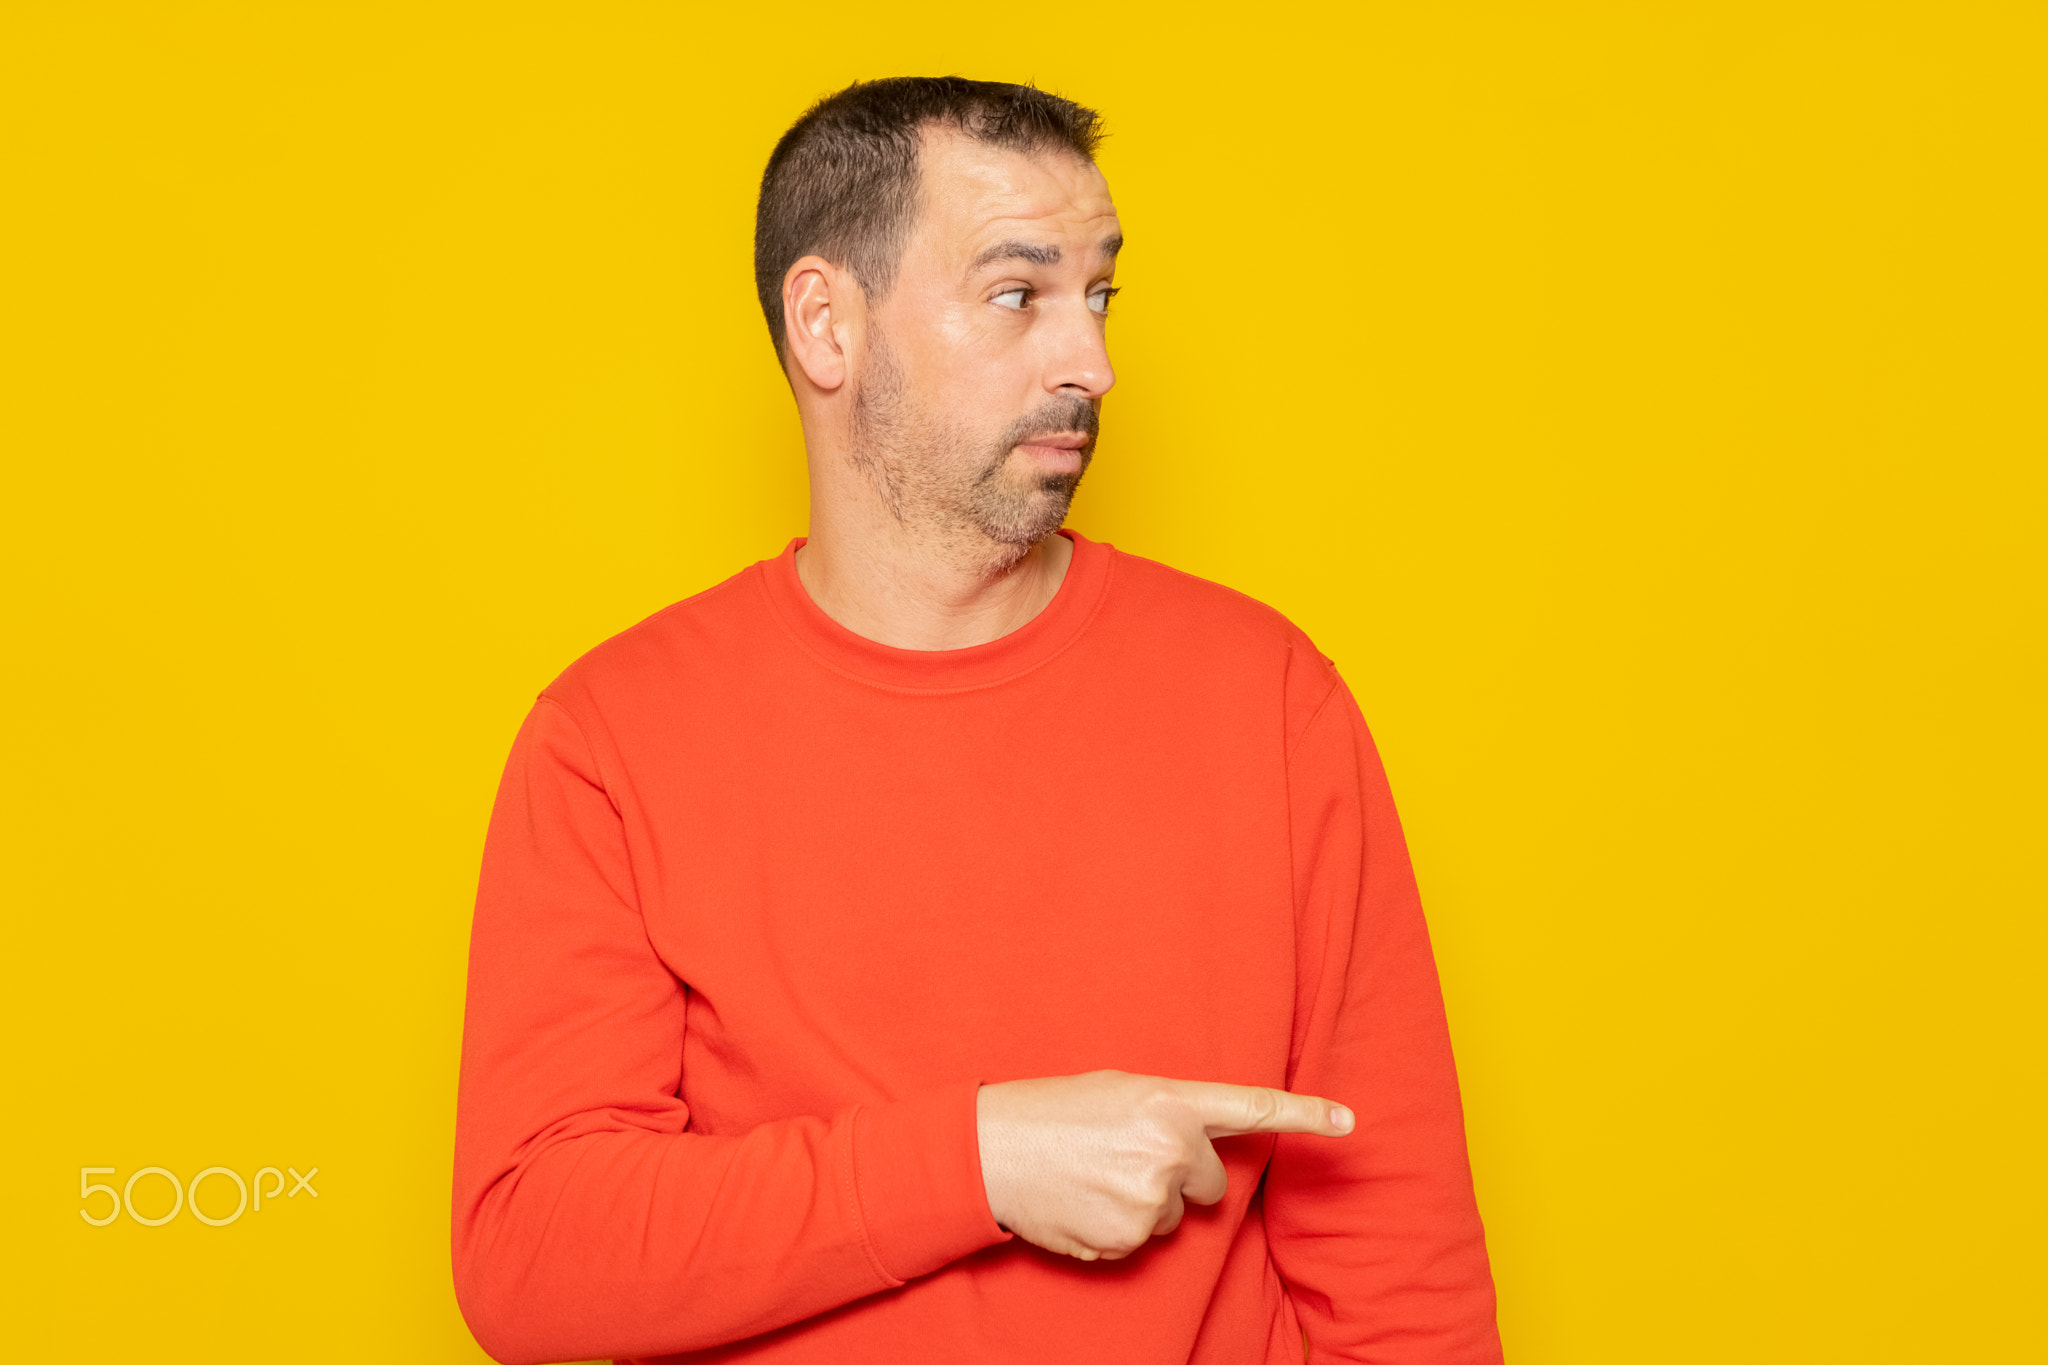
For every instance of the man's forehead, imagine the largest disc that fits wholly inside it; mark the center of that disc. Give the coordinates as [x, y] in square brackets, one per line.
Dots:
[976, 195]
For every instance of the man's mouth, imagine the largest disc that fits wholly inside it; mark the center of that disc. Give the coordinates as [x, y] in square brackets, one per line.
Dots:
[1061, 452]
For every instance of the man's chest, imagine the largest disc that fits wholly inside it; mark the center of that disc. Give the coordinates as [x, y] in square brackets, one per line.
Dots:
[864, 896]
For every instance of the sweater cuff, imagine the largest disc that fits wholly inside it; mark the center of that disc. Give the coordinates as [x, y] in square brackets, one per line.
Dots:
[917, 1175]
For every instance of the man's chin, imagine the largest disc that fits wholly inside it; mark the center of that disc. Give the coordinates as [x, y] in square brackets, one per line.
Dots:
[1021, 523]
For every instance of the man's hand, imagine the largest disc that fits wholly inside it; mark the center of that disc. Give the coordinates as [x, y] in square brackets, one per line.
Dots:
[1091, 1166]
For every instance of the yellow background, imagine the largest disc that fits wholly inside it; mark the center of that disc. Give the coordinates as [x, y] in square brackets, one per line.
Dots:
[1642, 404]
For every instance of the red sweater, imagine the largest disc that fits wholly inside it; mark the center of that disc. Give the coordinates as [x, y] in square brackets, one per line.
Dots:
[763, 902]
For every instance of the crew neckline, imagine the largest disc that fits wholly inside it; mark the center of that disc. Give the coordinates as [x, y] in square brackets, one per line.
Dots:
[1035, 643]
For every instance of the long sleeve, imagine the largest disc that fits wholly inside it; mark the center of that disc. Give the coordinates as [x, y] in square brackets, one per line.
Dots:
[1376, 1236]
[587, 1220]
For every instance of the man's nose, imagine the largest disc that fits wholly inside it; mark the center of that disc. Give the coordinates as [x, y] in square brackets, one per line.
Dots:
[1077, 358]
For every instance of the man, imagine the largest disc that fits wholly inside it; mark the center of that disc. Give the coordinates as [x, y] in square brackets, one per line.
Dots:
[954, 940]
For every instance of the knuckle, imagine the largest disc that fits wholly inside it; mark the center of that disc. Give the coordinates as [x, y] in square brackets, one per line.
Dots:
[1154, 1097]
[1130, 1235]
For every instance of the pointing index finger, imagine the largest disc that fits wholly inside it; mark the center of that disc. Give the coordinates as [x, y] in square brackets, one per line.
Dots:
[1232, 1110]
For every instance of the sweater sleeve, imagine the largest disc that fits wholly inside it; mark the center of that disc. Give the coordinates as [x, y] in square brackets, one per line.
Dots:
[1376, 1236]
[588, 1221]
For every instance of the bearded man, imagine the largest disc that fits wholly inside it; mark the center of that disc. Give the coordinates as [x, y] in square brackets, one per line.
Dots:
[954, 939]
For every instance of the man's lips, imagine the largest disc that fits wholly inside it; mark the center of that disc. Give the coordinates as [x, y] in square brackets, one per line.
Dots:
[1060, 452]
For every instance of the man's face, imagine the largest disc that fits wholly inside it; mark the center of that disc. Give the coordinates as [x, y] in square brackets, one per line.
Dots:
[975, 406]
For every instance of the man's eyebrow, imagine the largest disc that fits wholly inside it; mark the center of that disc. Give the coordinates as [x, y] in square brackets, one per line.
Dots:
[1013, 250]
[1016, 251]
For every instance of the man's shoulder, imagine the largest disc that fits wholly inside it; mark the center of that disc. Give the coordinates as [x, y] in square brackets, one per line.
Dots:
[1176, 600]
[1207, 626]
[725, 637]
[650, 657]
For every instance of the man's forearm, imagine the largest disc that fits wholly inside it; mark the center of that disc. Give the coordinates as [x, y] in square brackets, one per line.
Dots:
[607, 1239]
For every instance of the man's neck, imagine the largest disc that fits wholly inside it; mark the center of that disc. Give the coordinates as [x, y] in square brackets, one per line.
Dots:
[918, 593]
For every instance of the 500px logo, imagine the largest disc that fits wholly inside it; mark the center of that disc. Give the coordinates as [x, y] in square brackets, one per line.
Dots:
[124, 1198]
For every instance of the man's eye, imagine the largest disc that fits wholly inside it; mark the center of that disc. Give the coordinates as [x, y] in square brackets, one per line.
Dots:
[1012, 298]
[1099, 300]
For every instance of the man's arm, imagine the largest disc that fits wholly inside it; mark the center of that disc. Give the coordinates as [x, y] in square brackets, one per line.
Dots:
[587, 1221]
[1377, 1237]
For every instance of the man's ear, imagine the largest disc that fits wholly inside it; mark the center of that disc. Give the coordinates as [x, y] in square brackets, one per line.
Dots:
[822, 308]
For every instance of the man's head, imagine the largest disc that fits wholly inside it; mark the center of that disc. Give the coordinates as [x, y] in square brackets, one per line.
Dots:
[934, 259]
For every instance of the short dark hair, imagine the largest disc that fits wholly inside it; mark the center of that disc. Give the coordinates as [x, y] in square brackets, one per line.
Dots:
[842, 183]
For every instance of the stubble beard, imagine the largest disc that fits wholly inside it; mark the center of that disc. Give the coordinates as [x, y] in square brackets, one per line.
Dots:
[910, 458]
